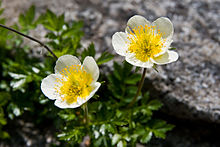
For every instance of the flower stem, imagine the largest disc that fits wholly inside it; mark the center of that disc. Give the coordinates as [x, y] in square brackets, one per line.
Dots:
[86, 117]
[140, 85]
[31, 38]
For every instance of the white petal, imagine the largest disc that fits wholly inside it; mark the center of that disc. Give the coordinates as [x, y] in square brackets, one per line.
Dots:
[120, 43]
[134, 61]
[165, 26]
[168, 57]
[91, 67]
[48, 85]
[136, 21]
[62, 104]
[64, 61]
[96, 86]
[165, 48]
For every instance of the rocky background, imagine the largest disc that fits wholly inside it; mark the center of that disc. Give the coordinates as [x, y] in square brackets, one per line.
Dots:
[189, 88]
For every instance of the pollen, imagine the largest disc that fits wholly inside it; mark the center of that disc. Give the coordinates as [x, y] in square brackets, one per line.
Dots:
[74, 84]
[145, 42]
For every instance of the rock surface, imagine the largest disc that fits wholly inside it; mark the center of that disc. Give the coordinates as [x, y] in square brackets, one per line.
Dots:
[190, 87]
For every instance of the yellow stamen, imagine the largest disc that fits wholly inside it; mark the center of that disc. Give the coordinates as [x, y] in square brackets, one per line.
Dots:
[145, 42]
[75, 83]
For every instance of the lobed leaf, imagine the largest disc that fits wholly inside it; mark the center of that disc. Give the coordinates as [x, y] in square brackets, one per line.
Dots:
[105, 57]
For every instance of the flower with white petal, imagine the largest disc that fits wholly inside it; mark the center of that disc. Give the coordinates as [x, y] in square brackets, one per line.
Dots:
[72, 84]
[144, 43]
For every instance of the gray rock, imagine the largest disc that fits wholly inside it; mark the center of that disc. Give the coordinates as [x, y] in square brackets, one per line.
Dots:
[190, 87]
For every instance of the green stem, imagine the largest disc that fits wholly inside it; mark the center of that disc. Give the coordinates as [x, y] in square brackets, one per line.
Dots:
[140, 85]
[31, 38]
[86, 114]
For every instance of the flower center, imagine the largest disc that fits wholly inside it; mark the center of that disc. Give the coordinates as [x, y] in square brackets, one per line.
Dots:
[145, 42]
[75, 83]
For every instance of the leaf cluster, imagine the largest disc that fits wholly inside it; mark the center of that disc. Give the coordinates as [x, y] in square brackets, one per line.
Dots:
[112, 122]
[22, 72]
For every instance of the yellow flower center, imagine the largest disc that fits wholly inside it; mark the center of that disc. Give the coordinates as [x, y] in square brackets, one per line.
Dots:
[145, 43]
[75, 83]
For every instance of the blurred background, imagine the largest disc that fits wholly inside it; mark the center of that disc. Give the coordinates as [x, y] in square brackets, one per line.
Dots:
[189, 88]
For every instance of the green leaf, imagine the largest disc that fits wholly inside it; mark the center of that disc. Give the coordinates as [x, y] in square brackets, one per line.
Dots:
[106, 127]
[3, 121]
[130, 93]
[4, 98]
[14, 110]
[117, 71]
[4, 135]
[60, 22]
[146, 97]
[120, 123]
[146, 111]
[133, 79]
[90, 51]
[98, 142]
[118, 113]
[116, 138]
[30, 14]
[51, 21]
[51, 35]
[105, 57]
[67, 117]
[1, 11]
[2, 21]
[154, 105]
[137, 69]
[26, 20]
[18, 84]
[75, 135]
[127, 68]
[160, 127]
[146, 137]
[73, 31]
[122, 143]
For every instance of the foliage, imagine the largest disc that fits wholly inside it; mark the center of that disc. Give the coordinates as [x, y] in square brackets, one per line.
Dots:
[111, 121]
[4, 96]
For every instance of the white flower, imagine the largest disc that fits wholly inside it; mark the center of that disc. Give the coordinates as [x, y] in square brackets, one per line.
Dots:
[144, 44]
[72, 84]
